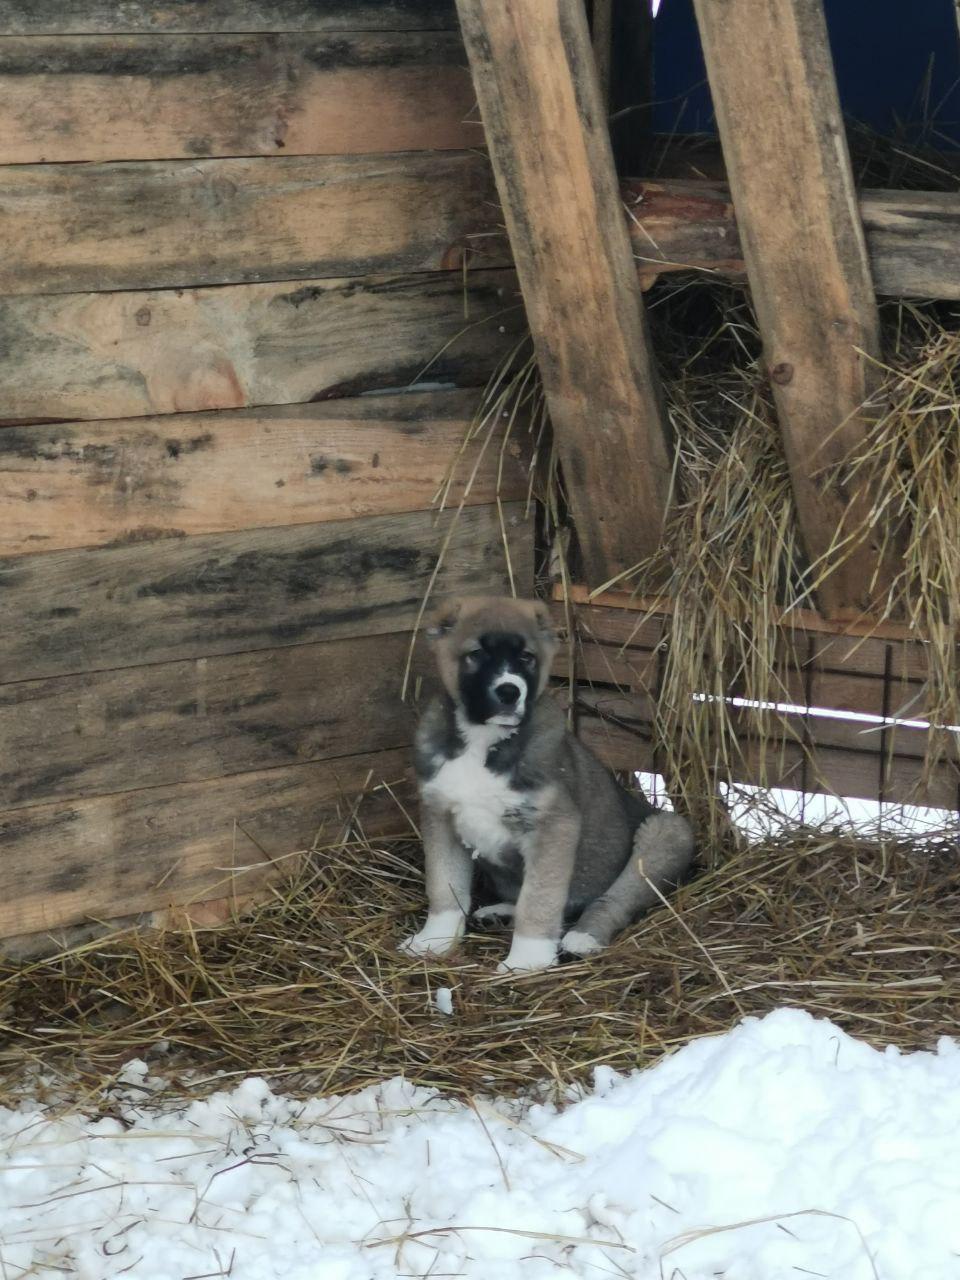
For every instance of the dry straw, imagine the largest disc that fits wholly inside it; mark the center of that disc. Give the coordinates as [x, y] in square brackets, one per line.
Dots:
[310, 990]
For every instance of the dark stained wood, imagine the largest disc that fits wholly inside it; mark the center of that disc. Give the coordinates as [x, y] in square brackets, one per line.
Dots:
[93, 484]
[143, 850]
[157, 224]
[118, 355]
[69, 98]
[180, 598]
[914, 242]
[546, 130]
[40, 17]
[87, 735]
[778, 115]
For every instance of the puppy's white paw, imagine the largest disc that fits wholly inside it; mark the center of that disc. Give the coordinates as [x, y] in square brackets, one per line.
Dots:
[529, 954]
[439, 935]
[577, 943]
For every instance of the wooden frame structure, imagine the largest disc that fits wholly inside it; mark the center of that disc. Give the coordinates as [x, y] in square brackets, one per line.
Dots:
[815, 254]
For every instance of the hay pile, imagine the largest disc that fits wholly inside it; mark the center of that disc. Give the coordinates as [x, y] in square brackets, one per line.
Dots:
[310, 991]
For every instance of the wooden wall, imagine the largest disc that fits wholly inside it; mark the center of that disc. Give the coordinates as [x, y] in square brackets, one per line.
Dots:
[223, 222]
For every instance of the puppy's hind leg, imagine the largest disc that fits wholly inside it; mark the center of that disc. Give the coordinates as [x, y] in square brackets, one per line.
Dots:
[661, 856]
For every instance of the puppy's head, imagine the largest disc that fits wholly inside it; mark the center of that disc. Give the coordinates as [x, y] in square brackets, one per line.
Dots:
[494, 656]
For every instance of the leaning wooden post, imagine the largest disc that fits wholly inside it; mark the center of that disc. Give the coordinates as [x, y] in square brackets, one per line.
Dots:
[775, 96]
[536, 84]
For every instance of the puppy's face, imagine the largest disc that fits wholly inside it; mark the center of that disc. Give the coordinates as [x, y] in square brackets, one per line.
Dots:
[494, 657]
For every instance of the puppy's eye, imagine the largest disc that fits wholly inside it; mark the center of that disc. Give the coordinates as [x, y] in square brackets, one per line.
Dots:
[528, 657]
[472, 658]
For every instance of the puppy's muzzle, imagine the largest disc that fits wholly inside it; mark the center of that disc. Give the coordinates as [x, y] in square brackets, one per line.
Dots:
[510, 697]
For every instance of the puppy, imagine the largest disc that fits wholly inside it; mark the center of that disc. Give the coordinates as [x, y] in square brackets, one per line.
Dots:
[507, 791]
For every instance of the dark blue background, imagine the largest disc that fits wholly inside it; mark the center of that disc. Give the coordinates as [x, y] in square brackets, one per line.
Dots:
[881, 51]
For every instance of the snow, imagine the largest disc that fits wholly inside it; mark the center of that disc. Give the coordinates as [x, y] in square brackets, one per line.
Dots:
[443, 999]
[781, 1149]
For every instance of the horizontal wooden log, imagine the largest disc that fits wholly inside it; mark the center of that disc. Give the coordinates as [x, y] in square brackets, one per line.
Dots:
[913, 237]
[93, 484]
[73, 737]
[119, 355]
[41, 17]
[180, 598]
[158, 224]
[143, 850]
[123, 97]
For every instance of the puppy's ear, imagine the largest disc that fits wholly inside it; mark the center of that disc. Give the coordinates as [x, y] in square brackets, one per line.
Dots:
[444, 620]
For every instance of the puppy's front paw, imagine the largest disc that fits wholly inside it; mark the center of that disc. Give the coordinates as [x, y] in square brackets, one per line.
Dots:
[528, 954]
[439, 935]
[577, 943]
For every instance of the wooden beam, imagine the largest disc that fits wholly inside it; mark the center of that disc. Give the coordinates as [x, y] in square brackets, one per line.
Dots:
[536, 83]
[123, 355]
[172, 223]
[778, 114]
[79, 17]
[73, 737]
[143, 850]
[178, 598]
[913, 237]
[134, 97]
[100, 483]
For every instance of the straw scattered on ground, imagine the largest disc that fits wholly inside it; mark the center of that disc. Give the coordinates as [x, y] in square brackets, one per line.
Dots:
[310, 991]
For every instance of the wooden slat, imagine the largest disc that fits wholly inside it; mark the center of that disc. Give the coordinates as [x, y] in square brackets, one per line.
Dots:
[143, 850]
[914, 242]
[68, 98]
[118, 355]
[157, 224]
[91, 484]
[535, 79]
[181, 598]
[73, 737]
[620, 727]
[773, 88]
[39, 17]
[800, 620]
[913, 237]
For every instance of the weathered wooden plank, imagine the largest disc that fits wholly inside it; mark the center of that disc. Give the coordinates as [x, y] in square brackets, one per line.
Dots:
[913, 237]
[92, 484]
[73, 737]
[69, 98]
[609, 664]
[138, 225]
[119, 355]
[837, 761]
[143, 850]
[778, 115]
[181, 598]
[40, 17]
[535, 79]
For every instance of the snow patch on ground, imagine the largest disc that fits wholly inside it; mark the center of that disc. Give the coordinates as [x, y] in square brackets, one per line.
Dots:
[662, 1173]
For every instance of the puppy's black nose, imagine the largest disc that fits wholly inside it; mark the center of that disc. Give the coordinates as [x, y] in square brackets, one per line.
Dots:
[508, 694]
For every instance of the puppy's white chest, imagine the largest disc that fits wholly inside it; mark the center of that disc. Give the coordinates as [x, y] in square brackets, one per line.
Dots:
[478, 801]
